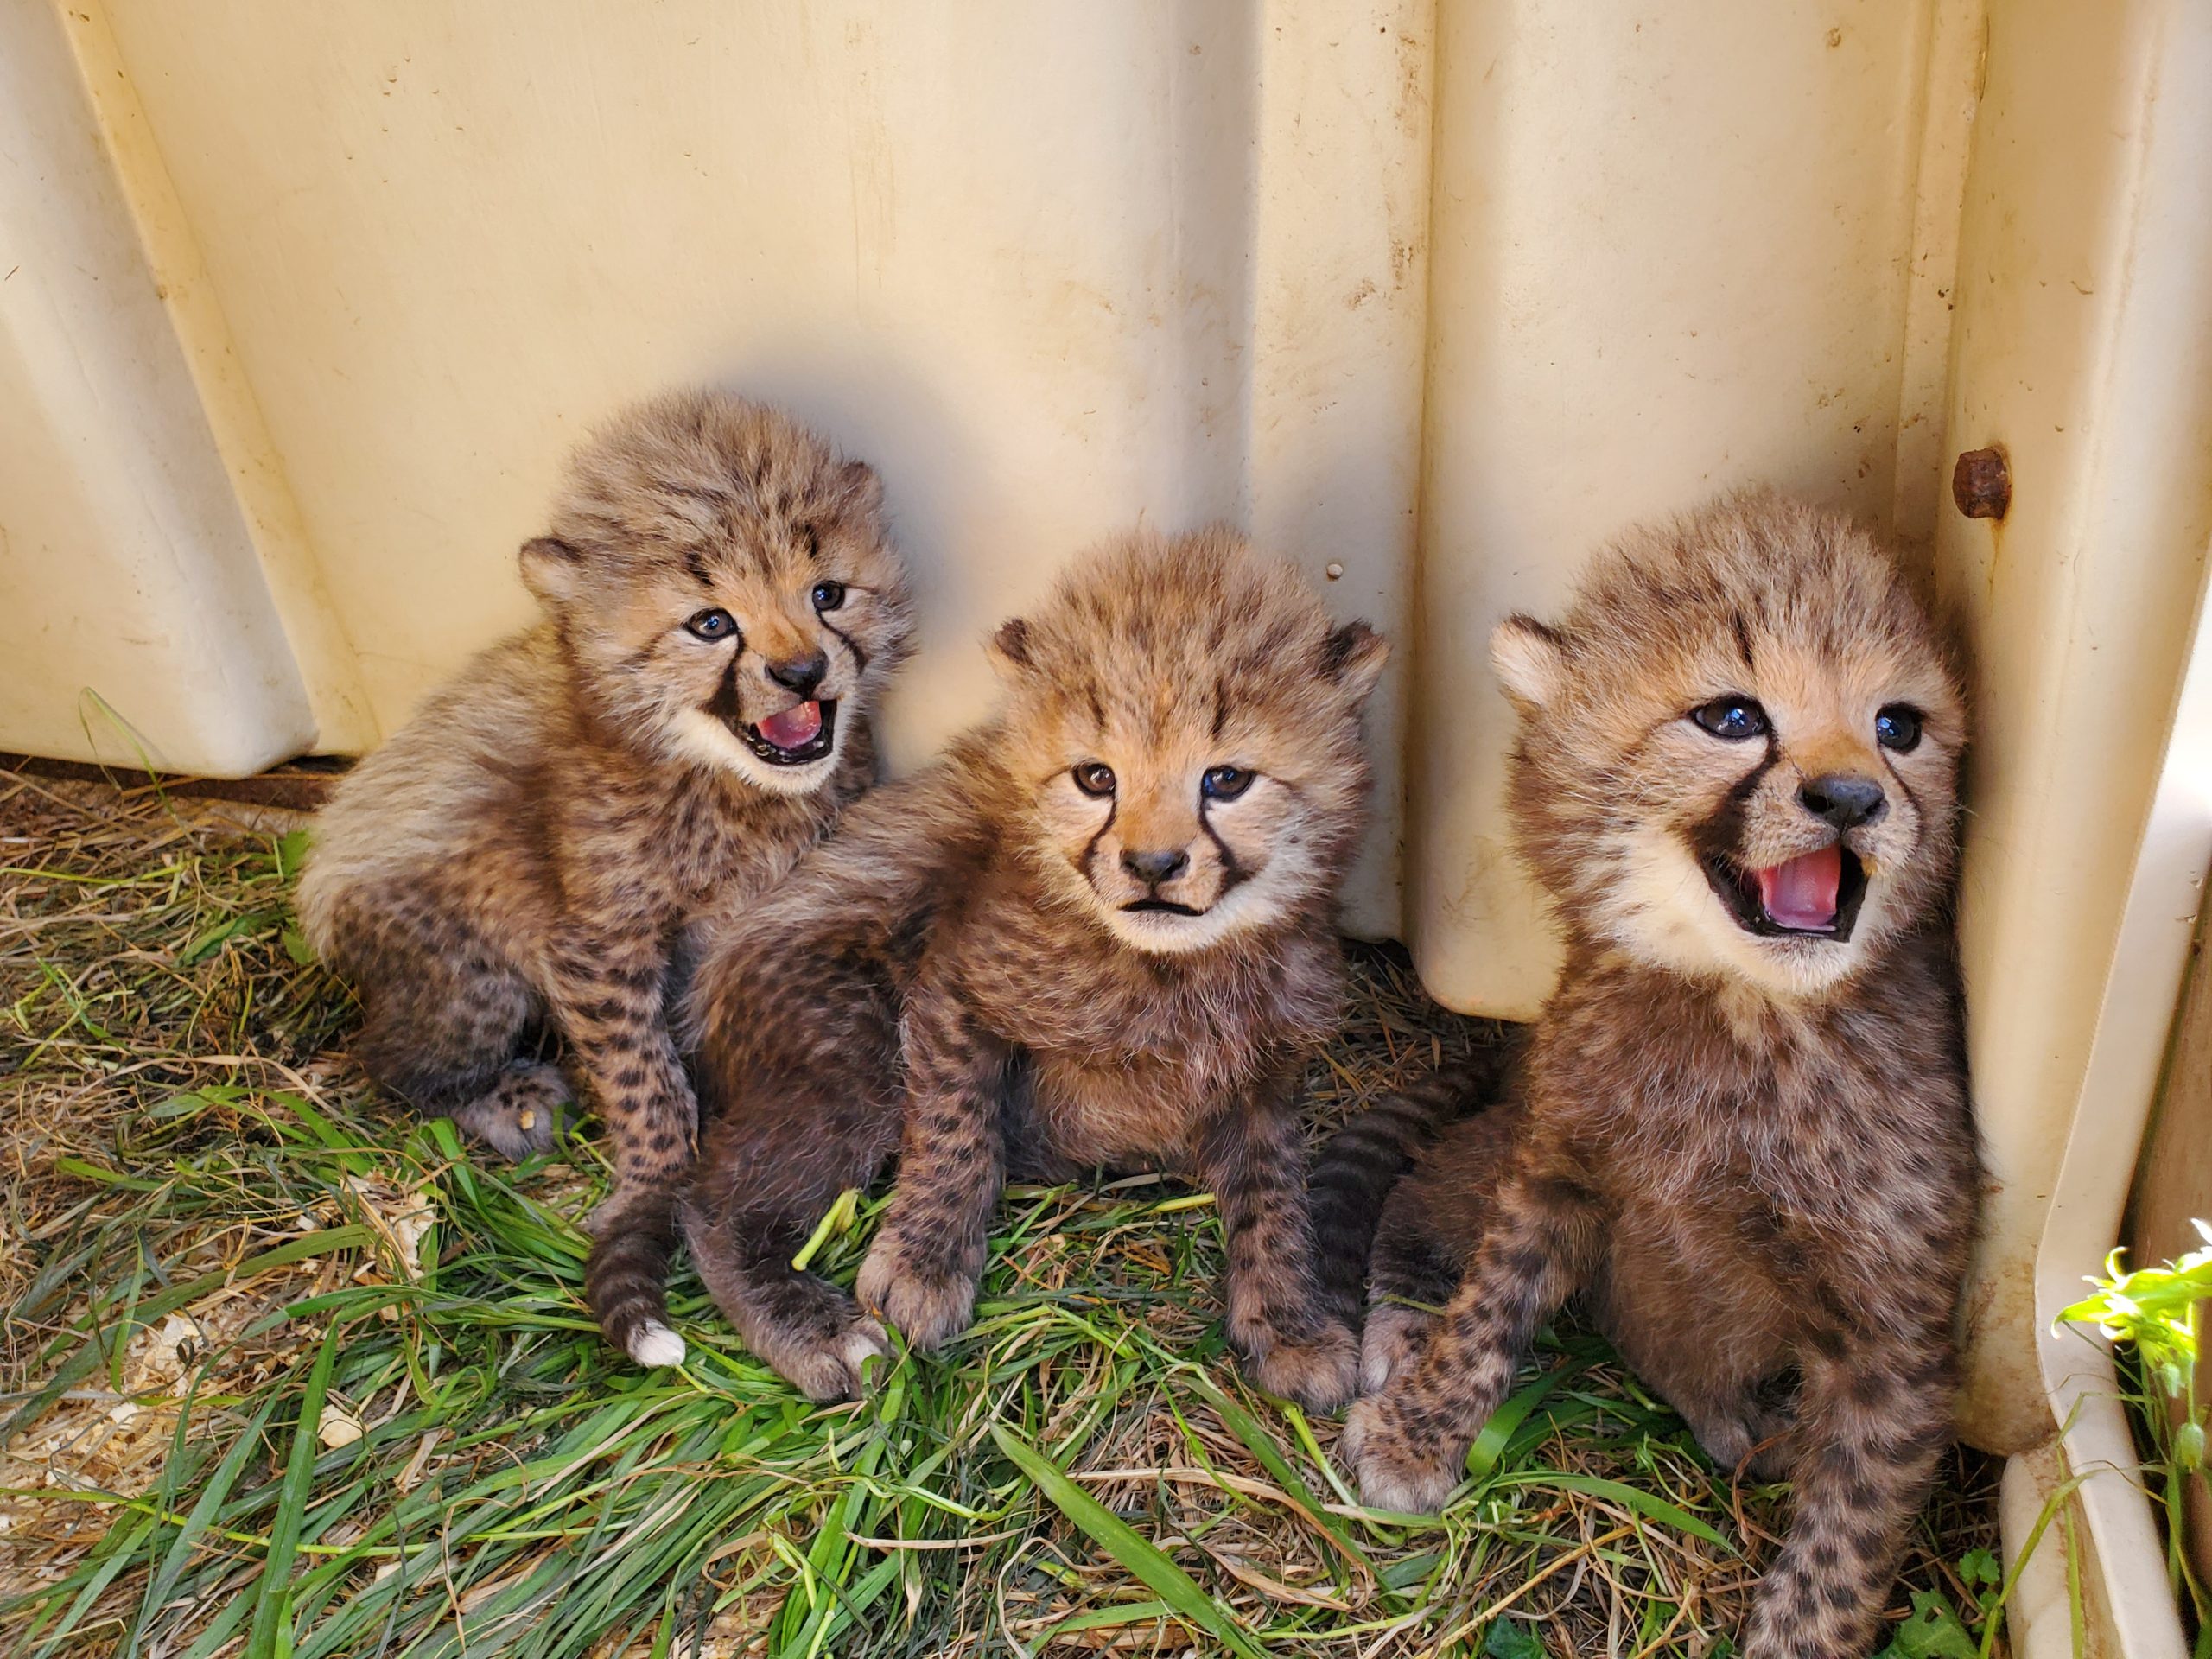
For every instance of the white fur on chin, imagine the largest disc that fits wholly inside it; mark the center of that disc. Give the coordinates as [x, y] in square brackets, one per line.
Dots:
[1257, 903]
[1661, 910]
[697, 737]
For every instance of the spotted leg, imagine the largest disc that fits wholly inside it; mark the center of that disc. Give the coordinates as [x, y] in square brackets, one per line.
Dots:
[607, 997]
[1250, 1154]
[922, 1271]
[1408, 1442]
[1874, 1416]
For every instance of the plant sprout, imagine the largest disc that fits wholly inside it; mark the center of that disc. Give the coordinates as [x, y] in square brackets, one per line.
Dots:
[2155, 1311]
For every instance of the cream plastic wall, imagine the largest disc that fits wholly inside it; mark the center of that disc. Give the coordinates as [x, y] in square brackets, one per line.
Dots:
[303, 306]
[137, 623]
[1055, 269]
[2083, 347]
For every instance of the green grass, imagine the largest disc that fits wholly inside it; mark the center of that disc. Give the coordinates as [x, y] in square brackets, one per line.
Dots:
[253, 1407]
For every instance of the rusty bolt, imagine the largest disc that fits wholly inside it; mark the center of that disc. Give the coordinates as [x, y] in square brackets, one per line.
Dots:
[1981, 484]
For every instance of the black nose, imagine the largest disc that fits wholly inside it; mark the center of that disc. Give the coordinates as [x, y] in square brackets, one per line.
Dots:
[802, 674]
[1152, 868]
[1844, 798]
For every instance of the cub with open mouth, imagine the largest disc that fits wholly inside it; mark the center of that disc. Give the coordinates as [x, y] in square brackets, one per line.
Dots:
[1742, 1129]
[720, 606]
[1101, 933]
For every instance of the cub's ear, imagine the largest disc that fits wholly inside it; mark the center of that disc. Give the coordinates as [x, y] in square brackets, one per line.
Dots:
[1529, 659]
[859, 490]
[551, 569]
[1011, 651]
[1353, 656]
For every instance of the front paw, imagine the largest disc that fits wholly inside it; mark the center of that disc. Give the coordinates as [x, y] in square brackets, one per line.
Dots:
[521, 1114]
[1393, 1472]
[929, 1306]
[835, 1367]
[1320, 1372]
[1391, 1344]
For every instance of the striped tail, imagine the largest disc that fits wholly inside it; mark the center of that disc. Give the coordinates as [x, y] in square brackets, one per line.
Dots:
[626, 1283]
[1363, 1161]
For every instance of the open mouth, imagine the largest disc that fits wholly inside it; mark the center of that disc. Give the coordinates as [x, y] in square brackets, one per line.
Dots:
[1158, 907]
[804, 732]
[1815, 895]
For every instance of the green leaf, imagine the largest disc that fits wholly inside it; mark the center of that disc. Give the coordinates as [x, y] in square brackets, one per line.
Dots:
[327, 1241]
[1246, 1428]
[1118, 1616]
[1510, 1640]
[1643, 1503]
[291, 853]
[1161, 1576]
[1933, 1632]
[1490, 1445]
[196, 1525]
[215, 938]
[1983, 1574]
[272, 1613]
[1404, 1574]
[836, 1219]
[2188, 1447]
[106, 1176]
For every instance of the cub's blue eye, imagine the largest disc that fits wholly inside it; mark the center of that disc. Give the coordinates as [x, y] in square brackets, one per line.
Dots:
[1733, 718]
[828, 595]
[1897, 727]
[1094, 777]
[712, 625]
[1224, 783]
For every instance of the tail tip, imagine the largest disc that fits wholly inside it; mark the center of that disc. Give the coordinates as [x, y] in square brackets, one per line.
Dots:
[656, 1346]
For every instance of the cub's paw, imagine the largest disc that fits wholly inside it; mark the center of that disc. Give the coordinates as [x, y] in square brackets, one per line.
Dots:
[1393, 1474]
[1756, 1445]
[835, 1368]
[1320, 1373]
[929, 1306]
[653, 1345]
[1751, 1434]
[1390, 1344]
[520, 1114]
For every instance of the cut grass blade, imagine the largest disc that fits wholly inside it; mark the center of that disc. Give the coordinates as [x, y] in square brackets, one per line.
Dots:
[1650, 1506]
[1269, 1457]
[1490, 1445]
[1190, 1604]
[272, 1601]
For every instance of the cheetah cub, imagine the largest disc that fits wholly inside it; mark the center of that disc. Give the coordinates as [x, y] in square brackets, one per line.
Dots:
[721, 607]
[1101, 933]
[1742, 1126]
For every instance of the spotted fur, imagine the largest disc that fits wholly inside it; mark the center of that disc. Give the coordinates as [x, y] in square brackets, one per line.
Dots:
[1751, 1152]
[514, 863]
[1009, 966]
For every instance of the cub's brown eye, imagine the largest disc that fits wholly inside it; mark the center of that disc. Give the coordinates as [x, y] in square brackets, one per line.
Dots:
[1733, 718]
[1224, 783]
[712, 625]
[1094, 777]
[1897, 727]
[828, 596]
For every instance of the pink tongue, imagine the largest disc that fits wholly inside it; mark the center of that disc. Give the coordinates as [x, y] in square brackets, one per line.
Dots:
[794, 728]
[1802, 893]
